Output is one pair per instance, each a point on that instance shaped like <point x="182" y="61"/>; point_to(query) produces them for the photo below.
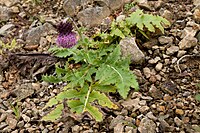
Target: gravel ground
<point x="168" y="77"/>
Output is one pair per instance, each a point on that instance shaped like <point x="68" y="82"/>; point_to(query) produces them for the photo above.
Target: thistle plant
<point x="101" y="70"/>
<point x="95" y="68"/>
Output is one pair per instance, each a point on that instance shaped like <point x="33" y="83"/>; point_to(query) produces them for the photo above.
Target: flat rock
<point x="93" y="16"/>
<point x="130" y="48"/>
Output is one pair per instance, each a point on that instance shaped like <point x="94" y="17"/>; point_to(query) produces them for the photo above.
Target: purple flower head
<point x="67" y="41"/>
<point x="66" y="37"/>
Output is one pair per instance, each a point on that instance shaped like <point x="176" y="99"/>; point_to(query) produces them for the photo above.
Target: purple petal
<point x="67" y="41"/>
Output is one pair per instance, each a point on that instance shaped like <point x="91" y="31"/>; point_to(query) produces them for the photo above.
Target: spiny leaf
<point x="54" y="114"/>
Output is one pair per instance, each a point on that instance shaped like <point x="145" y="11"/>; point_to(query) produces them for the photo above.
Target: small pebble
<point x="179" y="112"/>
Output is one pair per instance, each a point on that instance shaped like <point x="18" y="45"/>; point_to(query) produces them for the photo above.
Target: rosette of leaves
<point x="101" y="70"/>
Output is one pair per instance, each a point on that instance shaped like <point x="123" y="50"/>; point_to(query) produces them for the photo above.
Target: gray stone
<point x="196" y="2"/>
<point x="181" y="53"/>
<point x="147" y="126"/>
<point x="147" y="72"/>
<point x="115" y="4"/>
<point x="26" y="118"/>
<point x="93" y="16"/>
<point x="34" y="34"/>
<point x="151" y="116"/>
<point x="45" y="130"/>
<point x="12" y="123"/>
<point x="155" y="93"/>
<point x="144" y="109"/>
<point x="188" y="42"/>
<point x="131" y="104"/>
<point x="178" y="121"/>
<point x="196" y="15"/>
<point x="76" y="129"/>
<point x="144" y="4"/>
<point x="130" y="48"/>
<point x="159" y="66"/>
<point x="20" y="124"/>
<point x="71" y="7"/>
<point x="3" y="117"/>
<point x="142" y="103"/>
<point x="5" y="28"/>
<point x="155" y="60"/>
<point x="168" y="15"/>
<point x="119" y="128"/>
<point x="165" y="40"/>
<point x="5" y="13"/>
<point x="115" y="121"/>
<point x="190" y="31"/>
<point x="171" y="50"/>
<point x="3" y="125"/>
<point x="120" y="18"/>
<point x="164" y="126"/>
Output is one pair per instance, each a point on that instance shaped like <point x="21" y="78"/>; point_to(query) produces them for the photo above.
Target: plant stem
<point x="87" y="97"/>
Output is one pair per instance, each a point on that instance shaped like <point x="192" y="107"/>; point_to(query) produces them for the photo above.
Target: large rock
<point x="5" y="13"/>
<point x="93" y="16"/>
<point x="34" y="34"/>
<point x="130" y="48"/>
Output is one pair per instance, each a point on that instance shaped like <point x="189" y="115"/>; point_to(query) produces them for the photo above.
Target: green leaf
<point x="76" y="106"/>
<point x="104" y="88"/>
<point x="96" y="114"/>
<point x="102" y="99"/>
<point x="114" y="56"/>
<point x="54" y="114"/>
<point x="117" y="32"/>
<point x="122" y="78"/>
<point x="140" y="19"/>
<point x="51" y="79"/>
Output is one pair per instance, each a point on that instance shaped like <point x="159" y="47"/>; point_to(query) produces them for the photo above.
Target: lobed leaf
<point x="54" y="114"/>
